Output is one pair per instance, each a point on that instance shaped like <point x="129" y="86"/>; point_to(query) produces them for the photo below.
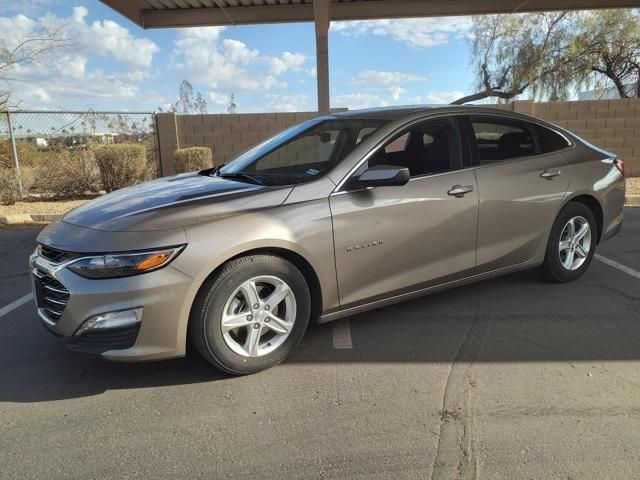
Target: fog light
<point x="111" y="320"/>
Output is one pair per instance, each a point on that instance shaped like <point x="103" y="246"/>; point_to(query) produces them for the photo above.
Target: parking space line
<point x="15" y="304"/>
<point x="618" y="266"/>
<point x="342" y="334"/>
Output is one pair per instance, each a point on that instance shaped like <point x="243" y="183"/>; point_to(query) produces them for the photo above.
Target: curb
<point x="632" y="201"/>
<point x="24" y="218"/>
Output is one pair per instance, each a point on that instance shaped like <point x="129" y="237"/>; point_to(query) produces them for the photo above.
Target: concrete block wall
<point x="610" y="124"/>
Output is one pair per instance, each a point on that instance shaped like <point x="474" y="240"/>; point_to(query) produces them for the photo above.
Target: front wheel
<point x="251" y="315"/>
<point x="572" y="243"/>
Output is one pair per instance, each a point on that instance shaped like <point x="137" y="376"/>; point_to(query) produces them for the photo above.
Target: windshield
<point x="300" y="153"/>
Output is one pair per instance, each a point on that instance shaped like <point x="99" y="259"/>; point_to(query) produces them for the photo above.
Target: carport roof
<point x="191" y="13"/>
<point x="198" y="13"/>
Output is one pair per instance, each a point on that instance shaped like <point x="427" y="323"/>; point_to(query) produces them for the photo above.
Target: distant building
<point x="39" y="142"/>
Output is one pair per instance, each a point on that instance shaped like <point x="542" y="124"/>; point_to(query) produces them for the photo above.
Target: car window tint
<point x="302" y="152"/>
<point x="502" y="140"/>
<point x="364" y="133"/>
<point x="427" y="139"/>
<point x="397" y="145"/>
<point x="426" y="148"/>
<point x="550" y="141"/>
<point x="310" y="149"/>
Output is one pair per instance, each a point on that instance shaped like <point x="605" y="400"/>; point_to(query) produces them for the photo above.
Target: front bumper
<point x="161" y="295"/>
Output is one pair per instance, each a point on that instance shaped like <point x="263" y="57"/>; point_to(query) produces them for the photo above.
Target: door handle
<point x="460" y="190"/>
<point x="550" y="174"/>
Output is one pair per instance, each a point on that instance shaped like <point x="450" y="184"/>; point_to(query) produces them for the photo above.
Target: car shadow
<point x="515" y="318"/>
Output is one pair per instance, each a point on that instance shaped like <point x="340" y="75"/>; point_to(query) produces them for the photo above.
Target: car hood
<point x="172" y="202"/>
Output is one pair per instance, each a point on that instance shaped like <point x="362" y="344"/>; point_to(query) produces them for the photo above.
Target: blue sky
<point x="116" y="65"/>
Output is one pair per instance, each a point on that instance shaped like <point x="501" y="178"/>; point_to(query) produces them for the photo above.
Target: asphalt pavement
<point x="511" y="378"/>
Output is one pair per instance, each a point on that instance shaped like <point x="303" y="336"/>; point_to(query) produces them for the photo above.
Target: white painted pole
<point x="15" y="155"/>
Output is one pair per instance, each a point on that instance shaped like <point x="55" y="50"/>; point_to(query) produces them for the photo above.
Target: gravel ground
<point x="633" y="186"/>
<point x="40" y="208"/>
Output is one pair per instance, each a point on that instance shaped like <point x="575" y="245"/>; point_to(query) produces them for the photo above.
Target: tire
<point x="555" y="267"/>
<point x="224" y="302"/>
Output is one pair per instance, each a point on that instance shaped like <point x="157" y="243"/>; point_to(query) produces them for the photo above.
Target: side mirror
<point x="380" y="176"/>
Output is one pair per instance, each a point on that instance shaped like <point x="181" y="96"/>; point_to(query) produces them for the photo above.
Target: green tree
<point x="611" y="42"/>
<point x="512" y="54"/>
<point x="188" y="100"/>
<point x="232" y="107"/>
<point x="551" y="55"/>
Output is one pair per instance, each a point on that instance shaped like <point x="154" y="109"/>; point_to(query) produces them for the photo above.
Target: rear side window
<point x="503" y="140"/>
<point x="550" y="141"/>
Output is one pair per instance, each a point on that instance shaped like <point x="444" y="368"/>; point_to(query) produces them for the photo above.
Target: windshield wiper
<point x="242" y="176"/>
<point x="216" y="169"/>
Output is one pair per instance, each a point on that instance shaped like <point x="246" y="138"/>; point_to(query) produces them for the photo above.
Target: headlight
<point x="124" y="264"/>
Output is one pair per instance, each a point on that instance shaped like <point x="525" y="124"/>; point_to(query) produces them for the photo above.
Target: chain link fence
<point x="50" y="153"/>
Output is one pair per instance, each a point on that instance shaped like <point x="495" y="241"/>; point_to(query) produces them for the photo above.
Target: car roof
<point x="399" y="112"/>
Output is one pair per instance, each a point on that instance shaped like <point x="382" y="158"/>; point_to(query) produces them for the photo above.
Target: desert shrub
<point x="66" y="173"/>
<point x="193" y="158"/>
<point x="121" y="165"/>
<point x="28" y="154"/>
<point x="8" y="186"/>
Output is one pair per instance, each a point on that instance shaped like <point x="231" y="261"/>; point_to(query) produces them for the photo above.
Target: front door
<point x="392" y="240"/>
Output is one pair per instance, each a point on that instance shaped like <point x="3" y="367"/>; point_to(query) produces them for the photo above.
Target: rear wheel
<point x="571" y="244"/>
<point x="251" y="315"/>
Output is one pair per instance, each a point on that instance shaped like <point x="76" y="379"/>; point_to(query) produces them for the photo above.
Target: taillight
<point x="619" y="164"/>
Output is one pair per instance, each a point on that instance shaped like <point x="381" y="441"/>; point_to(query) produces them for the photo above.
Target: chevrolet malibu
<point x="332" y="217"/>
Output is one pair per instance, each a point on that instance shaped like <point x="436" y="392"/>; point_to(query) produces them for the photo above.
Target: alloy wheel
<point x="258" y="316"/>
<point x="575" y="243"/>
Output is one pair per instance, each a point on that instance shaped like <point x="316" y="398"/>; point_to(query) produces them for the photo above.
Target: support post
<point x="322" y="18"/>
<point x="168" y="141"/>
<point x="15" y="155"/>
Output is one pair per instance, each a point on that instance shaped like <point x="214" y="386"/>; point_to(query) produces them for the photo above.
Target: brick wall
<point x="610" y="124"/>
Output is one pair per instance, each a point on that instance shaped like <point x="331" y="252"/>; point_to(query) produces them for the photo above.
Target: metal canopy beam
<point x="181" y="13"/>
<point x="322" y="16"/>
<point x="355" y="10"/>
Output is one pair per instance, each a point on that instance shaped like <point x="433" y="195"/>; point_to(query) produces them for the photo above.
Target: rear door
<point x="521" y="184"/>
<point x="392" y="240"/>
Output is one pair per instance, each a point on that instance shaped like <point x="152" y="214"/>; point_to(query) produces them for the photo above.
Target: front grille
<point x="56" y="256"/>
<point x="52" y="296"/>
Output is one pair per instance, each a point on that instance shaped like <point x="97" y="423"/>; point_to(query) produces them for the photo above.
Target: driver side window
<point x="425" y="148"/>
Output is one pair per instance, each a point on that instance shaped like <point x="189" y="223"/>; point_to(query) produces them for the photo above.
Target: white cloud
<point x="357" y="100"/>
<point x="65" y="79"/>
<point x="230" y="65"/>
<point x="377" y="81"/>
<point x="237" y="52"/>
<point x="289" y="103"/>
<point x="439" y="97"/>
<point x="415" y="32"/>
<point x="377" y="78"/>
<point x="209" y="34"/>
<point x="396" y="92"/>
<point x="106" y="38"/>
<point x="15" y="28"/>
<point x="285" y="62"/>
<point x="218" y="99"/>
